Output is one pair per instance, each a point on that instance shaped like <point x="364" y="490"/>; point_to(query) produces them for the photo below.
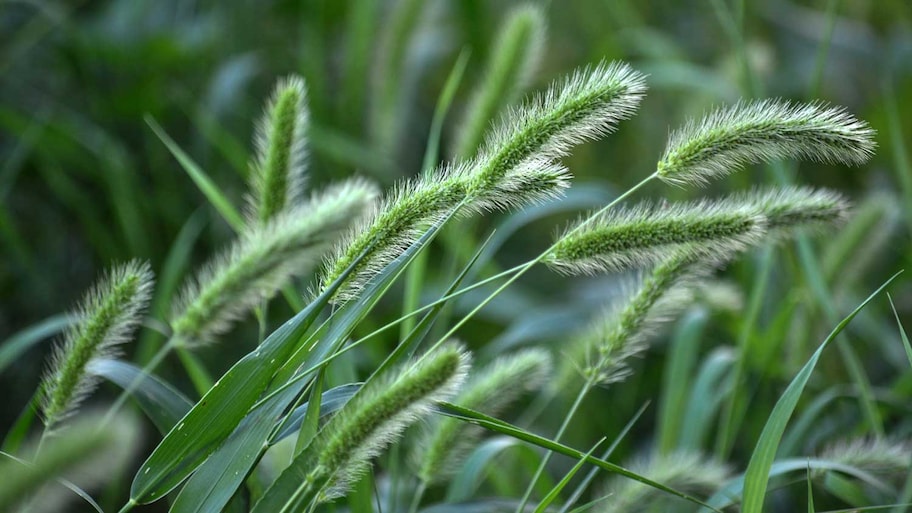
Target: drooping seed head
<point x="645" y="234"/>
<point x="789" y="208"/>
<point x="106" y="317"/>
<point x="585" y="106"/>
<point x="375" y="417"/>
<point x="761" y="131"/>
<point x="263" y="259"/>
<point x="490" y="390"/>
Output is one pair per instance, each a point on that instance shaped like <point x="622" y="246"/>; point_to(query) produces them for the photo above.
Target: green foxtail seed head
<point x="263" y="259"/>
<point x="790" y="208"/>
<point x="884" y="457"/>
<point x="106" y="317"/>
<point x="602" y="352"/>
<point x="277" y="171"/>
<point x="490" y="390"/>
<point x="513" y="61"/>
<point x="760" y="131"/>
<point x="586" y="106"/>
<point x="374" y="418"/>
<point x="645" y="234"/>
<point x="394" y="225"/>
<point x="686" y="472"/>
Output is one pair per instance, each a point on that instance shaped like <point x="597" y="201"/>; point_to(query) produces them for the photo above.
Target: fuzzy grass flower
<point x="761" y="131"/>
<point x="646" y="233"/>
<point x="602" y="352"/>
<point x="491" y="389"/>
<point x="107" y="317"/>
<point x="687" y="472"/>
<point x="277" y="171"/>
<point x="514" y="167"/>
<point x="263" y="259"/>
<point x="377" y="415"/>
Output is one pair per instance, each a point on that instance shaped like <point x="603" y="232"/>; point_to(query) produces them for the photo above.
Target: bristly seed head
<point x="277" y="171"/>
<point x="761" y="131"/>
<point x="106" y="318"/>
<point x="646" y="234"/>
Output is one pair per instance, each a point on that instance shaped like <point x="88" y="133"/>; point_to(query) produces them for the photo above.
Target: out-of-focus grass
<point x="84" y="182"/>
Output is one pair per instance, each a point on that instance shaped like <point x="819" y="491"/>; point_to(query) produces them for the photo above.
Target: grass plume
<point x="513" y="60"/>
<point x="490" y="390"/>
<point x="264" y="259"/>
<point x="645" y="234"/>
<point x="277" y="172"/>
<point x="761" y="131"/>
<point x="107" y="315"/>
<point x="370" y="421"/>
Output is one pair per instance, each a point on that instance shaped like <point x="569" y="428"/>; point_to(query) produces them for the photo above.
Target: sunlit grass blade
<point x="757" y="475"/>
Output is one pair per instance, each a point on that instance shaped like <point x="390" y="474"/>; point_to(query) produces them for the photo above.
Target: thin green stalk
<point x="586" y="388"/>
<point x="146" y="370"/>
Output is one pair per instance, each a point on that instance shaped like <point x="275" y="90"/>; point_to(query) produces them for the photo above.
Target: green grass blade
<point x="682" y="359"/>
<point x="217" y="414"/>
<point x="311" y="420"/>
<point x="162" y="403"/>
<point x="505" y="428"/>
<point x="757" y="475"/>
<point x="902" y="331"/>
<point x="218" y="200"/>
<point x="213" y="484"/>
<point x="556" y="490"/>
<point x="463" y="486"/>
<point x="15" y="346"/>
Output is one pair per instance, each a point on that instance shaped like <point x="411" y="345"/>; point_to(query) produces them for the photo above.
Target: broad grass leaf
<point x="219" y="477"/>
<point x="14" y="347"/>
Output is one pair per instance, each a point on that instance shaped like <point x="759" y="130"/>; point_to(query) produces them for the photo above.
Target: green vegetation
<point x="362" y="310"/>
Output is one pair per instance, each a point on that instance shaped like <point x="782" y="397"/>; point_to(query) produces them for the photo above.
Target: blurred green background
<point x="84" y="182"/>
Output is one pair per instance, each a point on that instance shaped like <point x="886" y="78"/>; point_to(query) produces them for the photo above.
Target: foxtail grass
<point x="277" y="172"/>
<point x="762" y="131"/>
<point x="107" y="317"/>
<point x="263" y="260"/>
<point x="512" y="63"/>
<point x="371" y="420"/>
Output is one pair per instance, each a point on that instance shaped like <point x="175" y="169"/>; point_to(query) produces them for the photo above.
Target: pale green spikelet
<point x="585" y="106"/>
<point x="686" y="472"/>
<point x="761" y="131"/>
<point x="263" y="259"/>
<point x="602" y="351"/>
<point x="107" y="316"/>
<point x="393" y="226"/>
<point x="645" y="234"/>
<point x="490" y="390"/>
<point x="91" y="453"/>
<point x="374" y="418"/>
<point x="531" y="182"/>
<point x="277" y="172"/>
<point x="883" y="457"/>
<point x="789" y="208"/>
<point x="513" y="60"/>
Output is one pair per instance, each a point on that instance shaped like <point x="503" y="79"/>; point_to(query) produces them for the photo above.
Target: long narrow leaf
<point x="224" y="207"/>
<point x="162" y="403"/>
<point x="757" y="476"/>
<point x="505" y="428"/>
<point x="220" y="476"/>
